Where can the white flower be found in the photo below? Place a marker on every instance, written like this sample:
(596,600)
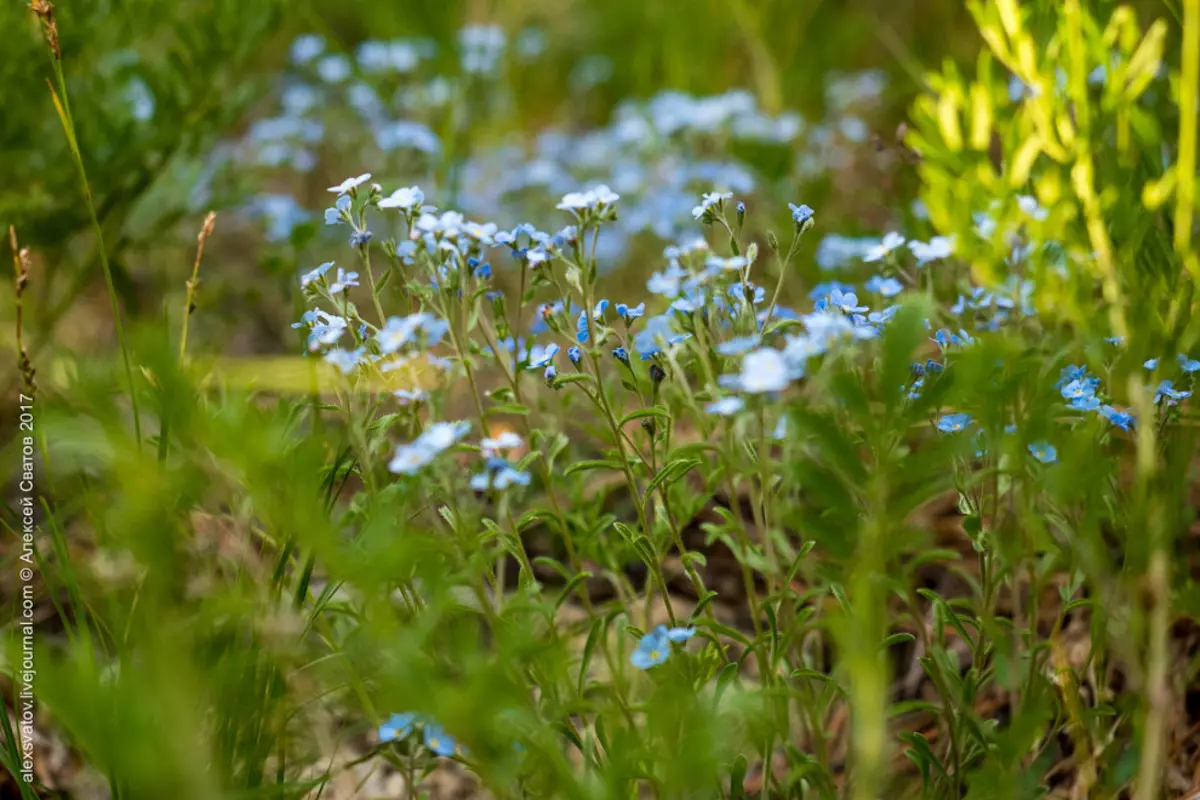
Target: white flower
(408,198)
(880,251)
(350,184)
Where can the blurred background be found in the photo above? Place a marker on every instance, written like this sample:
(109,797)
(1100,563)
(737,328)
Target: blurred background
(253,109)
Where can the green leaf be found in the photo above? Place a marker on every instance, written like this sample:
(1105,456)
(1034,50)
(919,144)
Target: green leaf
(570,588)
(657,412)
(670,473)
(585,466)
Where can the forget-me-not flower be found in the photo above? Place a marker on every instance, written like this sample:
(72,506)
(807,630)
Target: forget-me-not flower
(1043,452)
(726,406)
(655,647)
(350,184)
(435,439)
(953,423)
(397,726)
(886,245)
(764,371)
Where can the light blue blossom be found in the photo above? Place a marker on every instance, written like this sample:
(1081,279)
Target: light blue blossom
(1085,403)
(1150,364)
(326,329)
(630,313)
(315,274)
(846,302)
(398,331)
(936,248)
(575,355)
(1121,419)
(717,264)
(885,247)
(407,198)
(710,203)
(1167,389)
(435,439)
(953,423)
(738,346)
(668,282)
(343,281)
(888,287)
(726,406)
(334,68)
(1043,452)
(340,211)
(1188,365)
(438,741)
(397,726)
(345,360)
(307,47)
(499,475)
(655,647)
(764,371)
(802,216)
(540,356)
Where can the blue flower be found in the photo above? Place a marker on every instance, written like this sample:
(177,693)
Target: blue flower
(621,354)
(1122,419)
(726,406)
(1071,372)
(436,438)
(550,374)
(846,302)
(575,356)
(1150,363)
(716,264)
(581,328)
(1080,388)
(1086,403)
(343,281)
(888,287)
(315,274)
(360,238)
(738,346)
(345,360)
(667,283)
(937,247)
(886,245)
(802,216)
(398,331)
(1043,452)
(709,202)
(1167,389)
(764,371)
(1188,365)
(953,423)
(349,185)
(397,726)
(629,314)
(542,356)
(437,740)
(822,290)
(655,647)
(1115,341)
(340,211)
(499,475)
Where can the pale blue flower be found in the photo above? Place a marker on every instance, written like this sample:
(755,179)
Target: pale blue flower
(438,741)
(540,356)
(936,248)
(629,313)
(397,726)
(1188,365)
(726,406)
(315,274)
(738,346)
(885,247)
(435,439)
(655,647)
(953,423)
(888,287)
(407,198)
(1167,389)
(710,203)
(1043,452)
(345,360)
(764,371)
(1121,419)
(1150,364)
(343,281)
